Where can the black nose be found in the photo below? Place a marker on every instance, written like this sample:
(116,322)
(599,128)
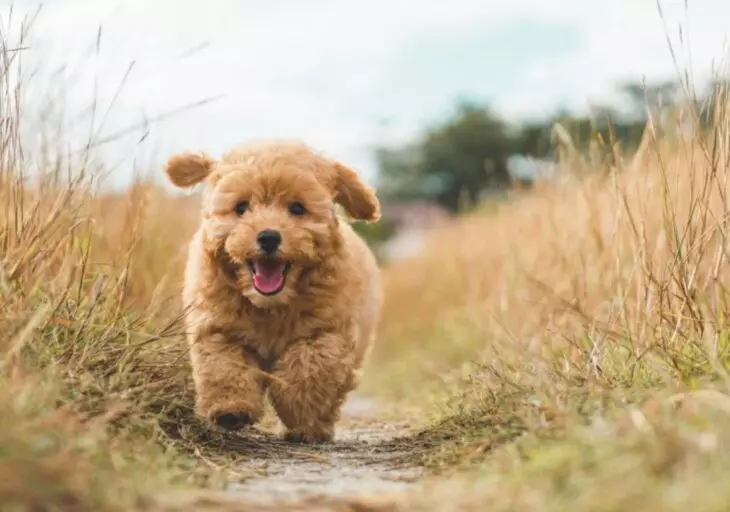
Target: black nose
(269,240)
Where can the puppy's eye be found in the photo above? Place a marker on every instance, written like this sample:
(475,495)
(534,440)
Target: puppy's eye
(241,208)
(296,208)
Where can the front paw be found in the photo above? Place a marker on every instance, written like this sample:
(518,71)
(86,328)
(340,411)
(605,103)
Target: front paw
(232,421)
(231,417)
(309,436)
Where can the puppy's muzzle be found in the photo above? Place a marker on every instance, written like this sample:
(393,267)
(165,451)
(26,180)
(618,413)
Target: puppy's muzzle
(269,241)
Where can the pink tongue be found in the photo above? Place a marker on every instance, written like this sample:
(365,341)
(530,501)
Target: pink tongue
(269,276)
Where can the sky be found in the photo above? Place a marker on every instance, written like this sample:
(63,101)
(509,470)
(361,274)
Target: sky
(343,76)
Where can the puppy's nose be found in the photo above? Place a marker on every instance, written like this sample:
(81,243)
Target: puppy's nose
(269,240)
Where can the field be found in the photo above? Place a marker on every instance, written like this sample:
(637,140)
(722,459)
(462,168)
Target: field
(567,349)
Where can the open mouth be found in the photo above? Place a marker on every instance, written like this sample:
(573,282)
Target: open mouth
(269,275)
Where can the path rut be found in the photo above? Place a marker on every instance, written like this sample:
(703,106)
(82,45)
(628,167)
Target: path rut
(367,459)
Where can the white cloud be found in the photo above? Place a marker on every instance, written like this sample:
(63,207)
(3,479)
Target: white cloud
(626,41)
(316,69)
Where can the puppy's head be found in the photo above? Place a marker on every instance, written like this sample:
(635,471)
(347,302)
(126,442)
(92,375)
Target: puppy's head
(269,210)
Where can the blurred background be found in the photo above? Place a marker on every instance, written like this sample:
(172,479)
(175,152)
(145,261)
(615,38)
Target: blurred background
(441,105)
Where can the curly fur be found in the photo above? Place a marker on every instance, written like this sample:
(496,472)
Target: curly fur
(304,346)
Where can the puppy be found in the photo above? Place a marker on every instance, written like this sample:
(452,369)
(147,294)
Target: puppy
(282,296)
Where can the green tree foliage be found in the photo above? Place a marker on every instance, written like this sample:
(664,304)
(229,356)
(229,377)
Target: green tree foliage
(453,161)
(457,161)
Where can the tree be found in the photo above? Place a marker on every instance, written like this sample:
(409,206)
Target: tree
(652,97)
(460,158)
(467,154)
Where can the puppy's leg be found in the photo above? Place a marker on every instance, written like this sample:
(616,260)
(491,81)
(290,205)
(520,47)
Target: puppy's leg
(228,381)
(313,379)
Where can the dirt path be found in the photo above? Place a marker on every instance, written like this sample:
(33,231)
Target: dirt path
(366,460)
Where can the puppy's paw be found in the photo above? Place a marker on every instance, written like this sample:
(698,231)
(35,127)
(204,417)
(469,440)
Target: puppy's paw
(231,416)
(233,420)
(302,436)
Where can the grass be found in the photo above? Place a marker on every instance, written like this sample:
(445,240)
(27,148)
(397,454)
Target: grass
(583,333)
(566,350)
(96,412)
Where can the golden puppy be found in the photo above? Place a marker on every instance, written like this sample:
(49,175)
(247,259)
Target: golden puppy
(282,295)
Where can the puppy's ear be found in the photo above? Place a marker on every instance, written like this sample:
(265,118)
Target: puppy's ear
(188,169)
(358,200)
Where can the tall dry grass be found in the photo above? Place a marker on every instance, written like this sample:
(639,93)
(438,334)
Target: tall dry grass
(573,337)
(577,339)
(96,409)
(627,261)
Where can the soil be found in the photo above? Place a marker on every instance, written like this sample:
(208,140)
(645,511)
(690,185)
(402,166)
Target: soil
(367,458)
(368,467)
